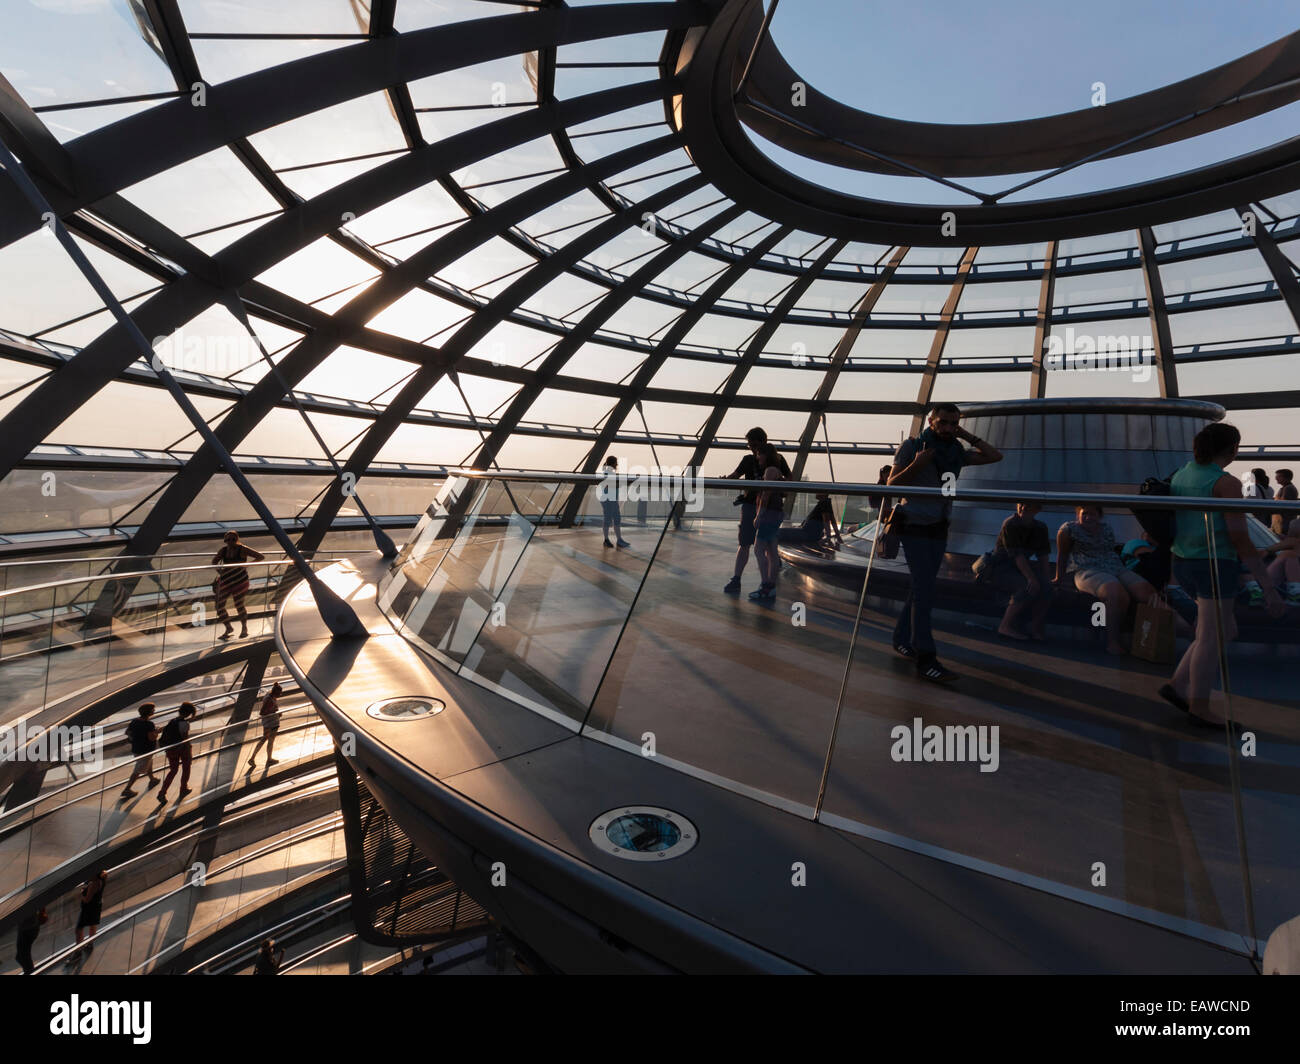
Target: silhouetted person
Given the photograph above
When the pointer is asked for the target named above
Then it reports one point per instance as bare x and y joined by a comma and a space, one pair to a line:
144, 741
768, 515
750, 468
175, 740
1086, 558
232, 581
609, 503
1283, 560
1023, 549
270, 717
933, 459
28, 931
1286, 492
1207, 569
1256, 486
268, 960
818, 528
92, 908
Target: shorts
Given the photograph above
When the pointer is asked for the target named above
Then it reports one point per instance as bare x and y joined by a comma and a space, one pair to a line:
1090, 581
609, 507
1011, 581
1194, 577
769, 526
747, 512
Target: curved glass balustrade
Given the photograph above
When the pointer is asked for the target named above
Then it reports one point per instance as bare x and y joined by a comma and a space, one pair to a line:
71, 635
63, 826
1053, 764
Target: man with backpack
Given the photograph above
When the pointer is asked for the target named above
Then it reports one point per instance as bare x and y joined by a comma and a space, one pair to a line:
933, 459
175, 742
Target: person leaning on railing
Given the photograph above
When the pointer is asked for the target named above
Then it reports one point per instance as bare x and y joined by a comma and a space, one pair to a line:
232, 581
1207, 568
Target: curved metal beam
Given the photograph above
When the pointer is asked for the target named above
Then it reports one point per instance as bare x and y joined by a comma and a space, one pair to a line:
637, 388
453, 352
115, 157
63, 392
309, 354
737, 376
840, 356
725, 152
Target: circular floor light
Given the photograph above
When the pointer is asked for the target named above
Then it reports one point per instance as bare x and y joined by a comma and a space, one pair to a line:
409, 707
643, 833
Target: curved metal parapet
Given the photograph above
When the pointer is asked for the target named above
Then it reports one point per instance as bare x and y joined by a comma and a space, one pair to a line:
503, 799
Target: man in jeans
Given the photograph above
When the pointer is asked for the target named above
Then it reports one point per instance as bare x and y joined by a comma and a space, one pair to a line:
933, 460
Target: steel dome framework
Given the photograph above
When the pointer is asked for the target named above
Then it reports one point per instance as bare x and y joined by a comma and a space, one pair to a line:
596, 257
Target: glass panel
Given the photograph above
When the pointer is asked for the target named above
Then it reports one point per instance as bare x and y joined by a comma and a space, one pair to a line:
489, 538
736, 691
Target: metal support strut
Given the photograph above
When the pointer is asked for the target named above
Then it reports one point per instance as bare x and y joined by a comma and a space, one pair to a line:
336, 613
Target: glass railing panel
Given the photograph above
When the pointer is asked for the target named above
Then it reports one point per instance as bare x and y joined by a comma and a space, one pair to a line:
1258, 629
1051, 757
24, 668
552, 627
739, 691
448, 613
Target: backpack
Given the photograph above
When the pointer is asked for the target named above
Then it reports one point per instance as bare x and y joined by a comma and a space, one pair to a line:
172, 734
1160, 525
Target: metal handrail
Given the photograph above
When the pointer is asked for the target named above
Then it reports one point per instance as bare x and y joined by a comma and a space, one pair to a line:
137, 574
8, 814
962, 494
324, 826
99, 794
110, 558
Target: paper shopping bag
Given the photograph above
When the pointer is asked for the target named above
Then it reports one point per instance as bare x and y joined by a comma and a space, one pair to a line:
1153, 633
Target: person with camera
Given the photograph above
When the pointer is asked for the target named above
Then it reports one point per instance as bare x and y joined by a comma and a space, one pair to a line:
934, 459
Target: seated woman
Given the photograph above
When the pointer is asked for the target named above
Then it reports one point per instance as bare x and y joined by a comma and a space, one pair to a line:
1085, 554
1283, 559
1024, 537
818, 528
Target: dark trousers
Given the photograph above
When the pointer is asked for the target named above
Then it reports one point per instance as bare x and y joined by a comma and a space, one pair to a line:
924, 554
178, 757
26, 939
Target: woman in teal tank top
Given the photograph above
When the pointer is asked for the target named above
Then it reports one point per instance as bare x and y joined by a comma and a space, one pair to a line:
1207, 567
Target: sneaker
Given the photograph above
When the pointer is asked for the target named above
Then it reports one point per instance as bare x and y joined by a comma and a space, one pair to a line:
272, 761
934, 672
733, 586
624, 543
1255, 595
128, 794
152, 784
1171, 696
227, 634
608, 543
763, 594
904, 651
183, 792
162, 798
1292, 594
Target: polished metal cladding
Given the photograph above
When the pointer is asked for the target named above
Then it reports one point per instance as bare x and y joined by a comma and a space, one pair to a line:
1090, 446
1085, 445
